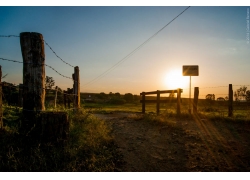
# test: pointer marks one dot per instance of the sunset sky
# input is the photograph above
(97, 38)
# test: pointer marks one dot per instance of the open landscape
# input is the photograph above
(124, 89)
(113, 137)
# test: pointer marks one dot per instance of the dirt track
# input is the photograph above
(180, 145)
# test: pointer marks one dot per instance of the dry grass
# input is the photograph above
(89, 148)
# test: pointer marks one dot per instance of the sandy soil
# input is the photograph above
(180, 145)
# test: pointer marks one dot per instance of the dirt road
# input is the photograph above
(180, 145)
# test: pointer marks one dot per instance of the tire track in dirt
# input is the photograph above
(182, 145)
(146, 147)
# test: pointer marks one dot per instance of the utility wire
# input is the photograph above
(135, 50)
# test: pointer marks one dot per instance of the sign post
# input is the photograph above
(190, 70)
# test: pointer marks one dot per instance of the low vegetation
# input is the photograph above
(90, 147)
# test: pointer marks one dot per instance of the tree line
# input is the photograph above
(241, 94)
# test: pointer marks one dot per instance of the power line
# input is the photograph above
(135, 50)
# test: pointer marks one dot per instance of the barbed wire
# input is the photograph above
(9, 36)
(56, 54)
(41, 64)
(45, 43)
(5, 84)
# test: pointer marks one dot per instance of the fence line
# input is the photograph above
(45, 43)
(41, 64)
(18, 86)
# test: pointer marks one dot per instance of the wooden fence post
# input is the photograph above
(76, 88)
(158, 102)
(53, 126)
(65, 99)
(1, 102)
(20, 95)
(143, 102)
(55, 96)
(68, 97)
(230, 101)
(178, 102)
(32, 46)
(196, 97)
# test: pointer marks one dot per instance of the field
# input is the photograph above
(118, 137)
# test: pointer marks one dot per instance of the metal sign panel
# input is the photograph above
(190, 70)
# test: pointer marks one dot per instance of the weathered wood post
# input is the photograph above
(68, 97)
(32, 46)
(76, 88)
(158, 102)
(143, 102)
(53, 126)
(65, 99)
(1, 102)
(55, 97)
(196, 97)
(230, 101)
(20, 95)
(178, 102)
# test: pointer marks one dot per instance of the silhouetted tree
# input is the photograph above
(210, 97)
(248, 95)
(117, 95)
(49, 82)
(236, 96)
(240, 94)
(128, 97)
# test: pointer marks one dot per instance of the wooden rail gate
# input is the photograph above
(158, 100)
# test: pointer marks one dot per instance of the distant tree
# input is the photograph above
(135, 97)
(210, 97)
(220, 99)
(102, 95)
(236, 96)
(248, 95)
(226, 98)
(128, 97)
(240, 94)
(49, 82)
(117, 95)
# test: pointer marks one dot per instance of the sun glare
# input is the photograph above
(174, 80)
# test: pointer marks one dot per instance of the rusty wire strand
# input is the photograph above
(33, 63)
(45, 43)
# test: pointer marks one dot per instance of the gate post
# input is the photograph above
(158, 102)
(143, 102)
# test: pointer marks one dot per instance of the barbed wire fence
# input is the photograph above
(68, 94)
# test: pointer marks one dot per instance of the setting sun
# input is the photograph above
(174, 80)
